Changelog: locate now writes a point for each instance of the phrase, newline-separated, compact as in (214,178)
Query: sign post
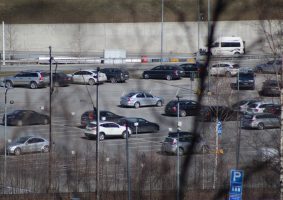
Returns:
(236,184)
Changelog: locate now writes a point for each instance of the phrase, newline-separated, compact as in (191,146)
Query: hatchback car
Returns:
(90,116)
(139,125)
(25,117)
(260,121)
(138,99)
(88,77)
(271,88)
(115,75)
(28,144)
(245,79)
(31,79)
(167,72)
(170,145)
(190,69)
(258,107)
(186,107)
(106,129)
(224,69)
(243,105)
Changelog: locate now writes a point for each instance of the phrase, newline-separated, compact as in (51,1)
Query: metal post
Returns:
(5,139)
(50,124)
(198,9)
(3,42)
(162,19)
(128,163)
(178,156)
(208,18)
(216,155)
(238,141)
(281,137)
(97,135)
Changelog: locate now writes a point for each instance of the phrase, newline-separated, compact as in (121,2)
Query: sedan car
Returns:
(272,66)
(90,116)
(106,129)
(28,144)
(186,107)
(88,77)
(25,117)
(190,69)
(139,125)
(224,69)
(61,79)
(260,121)
(115,75)
(243,105)
(167,72)
(137,99)
(259,107)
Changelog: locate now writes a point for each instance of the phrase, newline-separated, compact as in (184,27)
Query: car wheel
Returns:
(45,149)
(137,105)
(33,85)
(228,74)
(45,121)
(159,103)
(124,134)
(260,126)
(146,76)
(101,136)
(8,84)
(91,81)
(17,151)
(19,123)
(168,77)
(113,80)
(182,113)
(181,151)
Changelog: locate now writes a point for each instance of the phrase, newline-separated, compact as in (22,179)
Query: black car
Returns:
(167,72)
(61,79)
(271,88)
(90,116)
(190,69)
(246,80)
(143,126)
(25,117)
(181,134)
(186,107)
(115,75)
(212,113)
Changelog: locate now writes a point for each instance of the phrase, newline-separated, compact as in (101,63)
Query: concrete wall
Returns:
(136,38)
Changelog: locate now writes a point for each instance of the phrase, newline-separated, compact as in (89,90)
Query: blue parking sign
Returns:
(236,184)
(219,127)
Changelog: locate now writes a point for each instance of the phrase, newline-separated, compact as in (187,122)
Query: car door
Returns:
(156,72)
(18,79)
(192,107)
(214,69)
(149,99)
(30,145)
(77,76)
(35,118)
(274,121)
(38,144)
(109,116)
(114,129)
(26,117)
(140,97)
(143,126)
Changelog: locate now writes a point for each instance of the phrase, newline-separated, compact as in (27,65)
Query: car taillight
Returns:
(176,72)
(256,110)
(129,99)
(40,77)
(174,109)
(174,141)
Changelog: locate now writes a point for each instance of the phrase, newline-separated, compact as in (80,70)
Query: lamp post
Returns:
(5,136)
(97,135)
(161,34)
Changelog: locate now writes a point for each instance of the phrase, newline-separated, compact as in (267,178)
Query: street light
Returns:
(161,36)
(5,135)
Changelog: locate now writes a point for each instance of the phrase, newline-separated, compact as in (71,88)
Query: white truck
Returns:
(228,46)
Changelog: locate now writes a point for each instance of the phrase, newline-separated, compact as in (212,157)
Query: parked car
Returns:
(90,116)
(170,145)
(212,113)
(186,107)
(260,121)
(32,79)
(138,99)
(106,129)
(28,144)
(258,107)
(271,88)
(25,117)
(88,76)
(245,79)
(143,126)
(181,134)
(272,66)
(224,69)
(243,105)
(273,109)
(190,69)
(167,72)
(115,75)
(269,155)
(61,79)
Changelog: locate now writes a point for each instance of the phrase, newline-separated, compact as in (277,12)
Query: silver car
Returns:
(260,121)
(88,76)
(137,99)
(224,69)
(28,144)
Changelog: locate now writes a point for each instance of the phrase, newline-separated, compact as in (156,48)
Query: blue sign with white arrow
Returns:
(219,127)
(236,184)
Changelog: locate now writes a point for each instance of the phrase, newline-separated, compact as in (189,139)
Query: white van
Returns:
(228,46)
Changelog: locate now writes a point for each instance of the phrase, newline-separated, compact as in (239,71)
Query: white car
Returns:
(224,69)
(258,107)
(106,129)
(88,76)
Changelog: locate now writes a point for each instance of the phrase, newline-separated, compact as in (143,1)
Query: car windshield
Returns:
(248,116)
(254,105)
(236,66)
(172,103)
(21,140)
(131,119)
(246,76)
(168,139)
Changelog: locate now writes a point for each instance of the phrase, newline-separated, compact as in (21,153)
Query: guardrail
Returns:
(142,59)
